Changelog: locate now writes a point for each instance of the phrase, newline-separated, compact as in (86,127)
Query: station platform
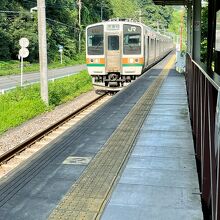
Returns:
(160,179)
(131,159)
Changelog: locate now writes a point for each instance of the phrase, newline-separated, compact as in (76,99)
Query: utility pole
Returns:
(80,7)
(140,15)
(158,27)
(101,10)
(42,38)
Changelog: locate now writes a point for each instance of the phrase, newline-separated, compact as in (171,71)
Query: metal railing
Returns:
(204,105)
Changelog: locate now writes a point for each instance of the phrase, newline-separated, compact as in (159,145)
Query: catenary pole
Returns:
(42,38)
(80,7)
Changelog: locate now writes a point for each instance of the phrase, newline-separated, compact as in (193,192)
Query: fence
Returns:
(204,104)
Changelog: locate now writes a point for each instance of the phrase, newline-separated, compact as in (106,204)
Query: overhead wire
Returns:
(12,14)
(58,22)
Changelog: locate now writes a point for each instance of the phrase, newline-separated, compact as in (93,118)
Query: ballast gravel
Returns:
(15,136)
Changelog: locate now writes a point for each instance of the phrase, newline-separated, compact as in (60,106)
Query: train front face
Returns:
(114,54)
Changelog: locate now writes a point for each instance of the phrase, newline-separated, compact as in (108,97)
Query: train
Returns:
(119,50)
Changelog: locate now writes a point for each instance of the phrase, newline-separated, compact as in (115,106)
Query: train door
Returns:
(113,54)
(155,49)
(146,50)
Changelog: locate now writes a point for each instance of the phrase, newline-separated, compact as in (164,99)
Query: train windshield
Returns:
(113,42)
(132,39)
(95,40)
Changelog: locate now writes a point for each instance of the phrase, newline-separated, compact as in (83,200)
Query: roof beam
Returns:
(170,2)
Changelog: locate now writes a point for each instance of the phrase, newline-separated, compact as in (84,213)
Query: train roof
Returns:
(130,21)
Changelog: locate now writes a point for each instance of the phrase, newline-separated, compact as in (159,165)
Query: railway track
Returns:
(23,151)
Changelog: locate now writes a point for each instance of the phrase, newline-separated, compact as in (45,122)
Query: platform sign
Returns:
(217,38)
(61,52)
(23,53)
(24,42)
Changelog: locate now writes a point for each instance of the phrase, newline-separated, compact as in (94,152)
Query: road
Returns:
(11,81)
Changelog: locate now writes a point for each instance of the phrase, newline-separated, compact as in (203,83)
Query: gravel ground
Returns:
(17,135)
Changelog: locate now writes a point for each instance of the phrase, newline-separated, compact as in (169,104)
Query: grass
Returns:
(13,67)
(19,105)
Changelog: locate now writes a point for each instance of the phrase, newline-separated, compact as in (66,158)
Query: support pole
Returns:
(80,7)
(43,50)
(189,28)
(140,15)
(22,67)
(101,11)
(196,30)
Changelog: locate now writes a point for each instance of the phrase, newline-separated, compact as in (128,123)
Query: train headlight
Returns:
(91,60)
(131,60)
(136,60)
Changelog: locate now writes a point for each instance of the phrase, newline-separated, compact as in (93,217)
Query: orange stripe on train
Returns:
(95,61)
(139,60)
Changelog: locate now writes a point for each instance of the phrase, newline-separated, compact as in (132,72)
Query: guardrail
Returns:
(204,104)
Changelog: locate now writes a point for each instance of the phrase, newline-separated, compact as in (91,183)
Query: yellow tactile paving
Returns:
(87,197)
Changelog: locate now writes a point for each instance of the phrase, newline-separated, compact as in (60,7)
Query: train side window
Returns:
(113,42)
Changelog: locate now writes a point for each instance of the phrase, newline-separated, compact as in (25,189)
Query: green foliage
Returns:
(204,33)
(67,88)
(155,16)
(19,105)
(91,11)
(22,104)
(174,26)
(62,26)
(124,9)
(4,45)
(24,26)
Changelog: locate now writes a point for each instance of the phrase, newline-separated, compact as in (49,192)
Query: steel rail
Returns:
(30,141)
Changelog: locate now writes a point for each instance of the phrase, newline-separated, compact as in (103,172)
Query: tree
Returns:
(155,16)
(124,9)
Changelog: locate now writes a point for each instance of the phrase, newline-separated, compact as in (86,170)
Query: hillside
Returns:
(16,21)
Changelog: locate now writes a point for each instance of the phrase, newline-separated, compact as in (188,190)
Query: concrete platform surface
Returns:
(160,179)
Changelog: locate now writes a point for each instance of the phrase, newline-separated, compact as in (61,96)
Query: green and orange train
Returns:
(118,51)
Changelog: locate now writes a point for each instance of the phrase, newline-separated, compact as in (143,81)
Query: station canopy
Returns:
(170,2)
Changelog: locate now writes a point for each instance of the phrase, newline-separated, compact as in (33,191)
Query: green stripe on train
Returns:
(133,64)
(96,64)
(102,65)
